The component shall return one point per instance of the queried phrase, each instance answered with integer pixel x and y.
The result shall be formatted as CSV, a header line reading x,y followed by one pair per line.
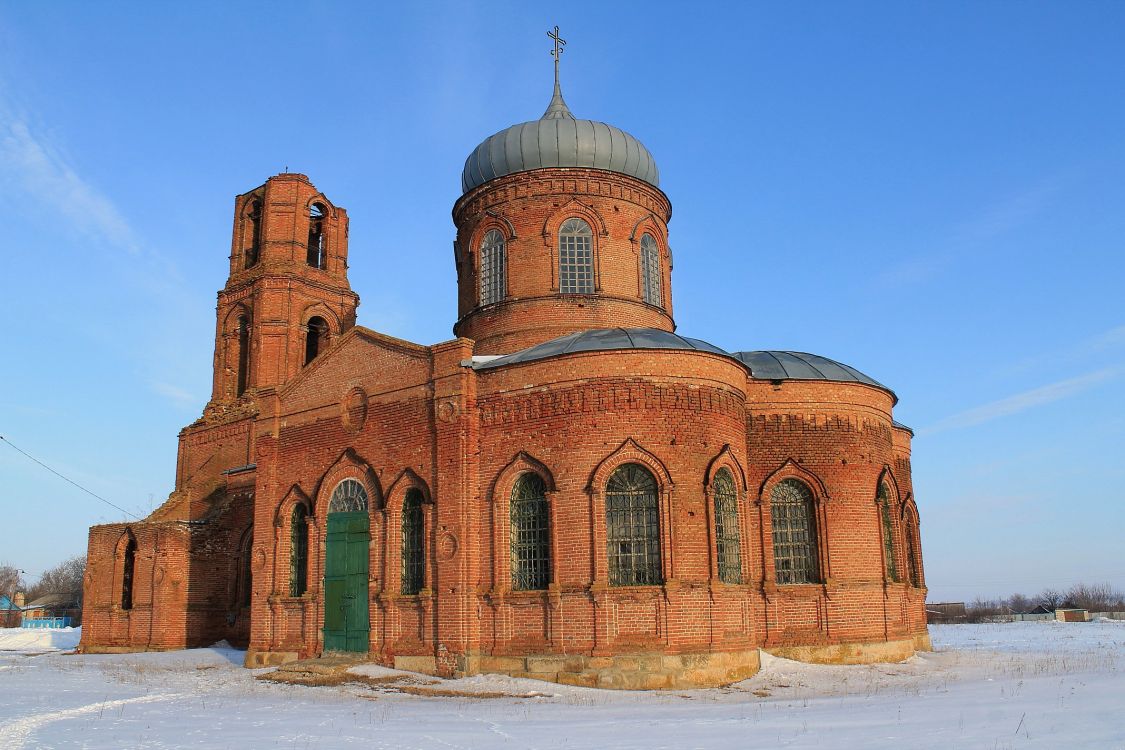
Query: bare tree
x,y
10,581
64,578
1097,597
1051,599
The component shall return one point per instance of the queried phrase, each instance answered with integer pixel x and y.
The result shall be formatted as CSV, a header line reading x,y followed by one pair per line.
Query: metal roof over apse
x,y
802,366
558,139
603,339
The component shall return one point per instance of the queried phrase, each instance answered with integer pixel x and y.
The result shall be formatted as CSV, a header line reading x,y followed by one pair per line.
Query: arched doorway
x,y
347,624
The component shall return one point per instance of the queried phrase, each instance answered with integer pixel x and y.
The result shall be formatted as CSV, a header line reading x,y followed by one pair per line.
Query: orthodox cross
x,y
557,51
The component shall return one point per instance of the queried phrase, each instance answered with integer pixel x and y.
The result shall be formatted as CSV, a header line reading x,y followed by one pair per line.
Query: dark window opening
x,y
531,537
127,570
793,514
884,500
317,253
245,573
299,551
255,218
633,527
316,339
728,539
912,553
413,531
243,354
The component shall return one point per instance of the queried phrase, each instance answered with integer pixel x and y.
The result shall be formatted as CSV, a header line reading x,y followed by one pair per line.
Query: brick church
x,y
568,490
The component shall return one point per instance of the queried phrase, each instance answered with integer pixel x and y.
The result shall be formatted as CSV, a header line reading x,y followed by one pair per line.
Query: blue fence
x,y
47,622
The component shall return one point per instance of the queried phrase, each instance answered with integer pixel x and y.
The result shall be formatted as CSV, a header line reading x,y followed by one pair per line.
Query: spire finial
x,y
557,109
557,51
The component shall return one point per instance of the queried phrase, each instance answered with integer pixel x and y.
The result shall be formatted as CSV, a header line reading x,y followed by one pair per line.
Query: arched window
x,y
793,514
576,257
243,354
413,547
728,548
348,497
317,255
245,571
128,568
316,338
633,527
254,217
531,534
492,268
912,547
650,271
883,500
298,551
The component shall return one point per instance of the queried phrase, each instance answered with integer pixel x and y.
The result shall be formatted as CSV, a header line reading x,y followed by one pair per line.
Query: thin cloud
x,y
1023,401
175,394
30,165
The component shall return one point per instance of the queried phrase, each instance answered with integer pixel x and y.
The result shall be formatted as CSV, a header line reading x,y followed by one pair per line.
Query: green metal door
x,y
346,623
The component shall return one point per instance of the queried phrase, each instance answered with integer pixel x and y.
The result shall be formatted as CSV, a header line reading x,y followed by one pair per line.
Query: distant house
x,y
10,611
54,611
943,613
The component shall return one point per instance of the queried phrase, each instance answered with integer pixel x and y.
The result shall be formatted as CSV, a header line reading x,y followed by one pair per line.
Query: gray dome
x,y
802,366
558,139
600,340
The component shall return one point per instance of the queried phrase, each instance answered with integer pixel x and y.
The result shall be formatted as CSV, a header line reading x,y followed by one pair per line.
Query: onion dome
x,y
558,139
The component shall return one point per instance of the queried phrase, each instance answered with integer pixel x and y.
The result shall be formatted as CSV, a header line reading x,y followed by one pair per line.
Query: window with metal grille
x,y
793,514
127,569
650,270
728,551
348,497
576,257
298,551
245,571
912,552
883,499
413,532
633,527
531,534
492,268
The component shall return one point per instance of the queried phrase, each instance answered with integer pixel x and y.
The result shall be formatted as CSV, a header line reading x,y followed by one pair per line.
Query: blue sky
x,y
930,192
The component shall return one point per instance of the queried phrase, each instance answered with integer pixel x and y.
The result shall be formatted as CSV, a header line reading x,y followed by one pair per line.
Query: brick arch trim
x,y
324,311
887,475
522,463
294,497
725,458
494,220
629,452
578,209
406,480
790,469
323,200
230,322
348,466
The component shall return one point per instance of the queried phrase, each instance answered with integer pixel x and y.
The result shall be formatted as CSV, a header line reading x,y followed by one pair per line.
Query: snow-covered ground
x,y
1013,685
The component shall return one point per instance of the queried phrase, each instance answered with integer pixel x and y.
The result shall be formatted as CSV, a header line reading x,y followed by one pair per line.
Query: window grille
x,y
633,527
246,573
127,570
413,529
531,535
492,268
794,533
728,551
650,270
298,551
348,497
912,552
576,257
883,499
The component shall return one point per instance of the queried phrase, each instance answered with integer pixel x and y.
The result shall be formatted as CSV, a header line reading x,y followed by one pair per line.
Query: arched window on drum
x,y
632,515
793,514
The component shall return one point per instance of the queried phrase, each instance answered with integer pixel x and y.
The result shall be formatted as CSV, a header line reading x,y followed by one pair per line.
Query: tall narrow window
x,y
298,551
413,531
254,218
576,257
728,539
650,270
883,499
316,338
793,514
243,354
531,535
245,571
128,568
492,268
633,527
912,547
317,257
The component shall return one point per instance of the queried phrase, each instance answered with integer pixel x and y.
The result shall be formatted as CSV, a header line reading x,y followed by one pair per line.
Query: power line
x,y
67,479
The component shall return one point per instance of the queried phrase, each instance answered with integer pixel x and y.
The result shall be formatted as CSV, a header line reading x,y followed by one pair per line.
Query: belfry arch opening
x,y
243,355
316,338
317,252
254,227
